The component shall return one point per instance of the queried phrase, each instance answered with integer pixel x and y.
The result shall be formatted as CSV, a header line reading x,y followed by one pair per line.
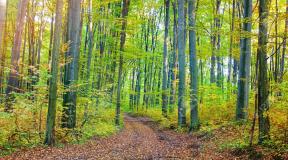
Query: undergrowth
x,y
218,125
25,126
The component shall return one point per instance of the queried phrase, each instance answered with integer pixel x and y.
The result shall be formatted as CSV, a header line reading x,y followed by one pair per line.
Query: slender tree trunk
x,y
91,37
132,90
217,42
277,51
31,14
51,115
2,30
202,80
174,60
40,41
22,57
138,85
282,63
263,82
51,38
232,29
181,58
194,119
13,80
146,65
2,20
50,44
165,60
213,57
71,65
235,72
125,9
245,60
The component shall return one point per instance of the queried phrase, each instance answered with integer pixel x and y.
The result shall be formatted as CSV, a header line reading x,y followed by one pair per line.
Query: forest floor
x,y
141,138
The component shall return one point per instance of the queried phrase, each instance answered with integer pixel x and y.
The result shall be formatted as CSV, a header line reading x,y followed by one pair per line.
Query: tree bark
x,y
245,62
2,30
282,63
51,115
90,44
232,29
194,119
165,60
182,63
174,60
2,20
263,82
125,10
13,80
71,65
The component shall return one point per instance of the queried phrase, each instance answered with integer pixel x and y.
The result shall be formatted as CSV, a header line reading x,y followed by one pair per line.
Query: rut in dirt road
x,y
140,139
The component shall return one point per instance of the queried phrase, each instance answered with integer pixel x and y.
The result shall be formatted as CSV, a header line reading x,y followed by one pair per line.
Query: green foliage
x,y
26,125
217,120
234,144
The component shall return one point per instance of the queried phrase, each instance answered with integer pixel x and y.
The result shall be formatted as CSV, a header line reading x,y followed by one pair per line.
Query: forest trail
x,y
140,139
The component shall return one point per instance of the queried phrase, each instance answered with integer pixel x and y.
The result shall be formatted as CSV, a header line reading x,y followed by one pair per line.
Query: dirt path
x,y
140,139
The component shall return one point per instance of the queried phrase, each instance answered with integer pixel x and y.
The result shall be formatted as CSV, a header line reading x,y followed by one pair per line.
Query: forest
x,y
143,79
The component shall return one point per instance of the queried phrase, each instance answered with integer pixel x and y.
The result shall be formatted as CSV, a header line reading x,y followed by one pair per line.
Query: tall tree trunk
x,y
71,65
201,63
132,90
232,29
213,58
263,82
31,14
91,37
50,44
2,30
277,50
125,9
2,20
174,60
282,63
51,115
13,80
182,63
51,38
165,60
146,40
245,60
194,120
217,42
138,85
40,39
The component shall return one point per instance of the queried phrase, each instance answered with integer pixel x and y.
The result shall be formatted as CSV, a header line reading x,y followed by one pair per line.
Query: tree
x,y
263,82
71,64
2,20
165,60
182,63
2,26
51,115
194,120
232,29
90,39
125,9
174,60
13,79
217,43
282,63
245,62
